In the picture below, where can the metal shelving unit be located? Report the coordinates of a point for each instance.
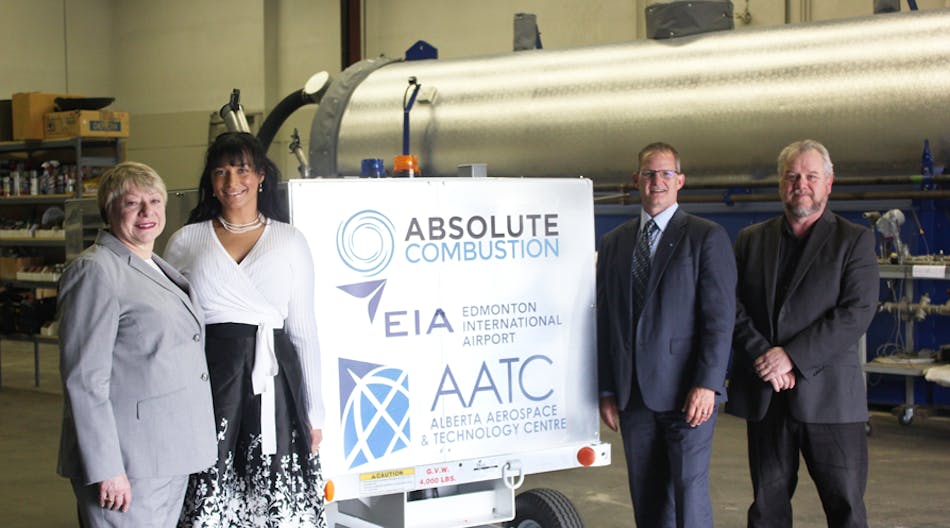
(38, 148)
(909, 368)
(919, 271)
(30, 242)
(31, 284)
(40, 199)
(84, 152)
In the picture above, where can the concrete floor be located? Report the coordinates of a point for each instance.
(909, 483)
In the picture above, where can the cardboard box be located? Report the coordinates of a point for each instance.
(87, 123)
(28, 111)
(9, 266)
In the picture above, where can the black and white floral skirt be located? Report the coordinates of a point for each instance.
(247, 488)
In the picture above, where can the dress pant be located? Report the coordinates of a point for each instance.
(667, 467)
(836, 456)
(156, 503)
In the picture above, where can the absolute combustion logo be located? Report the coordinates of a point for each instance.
(480, 238)
(366, 243)
(374, 406)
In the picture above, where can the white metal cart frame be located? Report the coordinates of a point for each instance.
(456, 323)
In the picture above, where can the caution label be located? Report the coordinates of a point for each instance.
(387, 481)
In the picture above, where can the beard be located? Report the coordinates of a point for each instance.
(804, 210)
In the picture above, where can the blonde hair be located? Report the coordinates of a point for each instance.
(656, 148)
(120, 179)
(792, 151)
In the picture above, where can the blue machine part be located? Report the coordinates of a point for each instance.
(422, 50)
(927, 167)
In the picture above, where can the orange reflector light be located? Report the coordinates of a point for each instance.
(586, 456)
(328, 491)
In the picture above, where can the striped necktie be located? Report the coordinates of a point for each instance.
(640, 267)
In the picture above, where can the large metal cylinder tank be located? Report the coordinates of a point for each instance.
(872, 89)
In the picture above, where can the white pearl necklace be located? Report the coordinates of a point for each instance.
(242, 228)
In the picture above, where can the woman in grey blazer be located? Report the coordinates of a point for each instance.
(137, 416)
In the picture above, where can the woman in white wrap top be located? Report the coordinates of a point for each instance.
(252, 273)
(272, 288)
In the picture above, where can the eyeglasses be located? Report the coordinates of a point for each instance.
(666, 174)
(791, 177)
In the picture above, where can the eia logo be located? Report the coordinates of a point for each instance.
(366, 243)
(374, 406)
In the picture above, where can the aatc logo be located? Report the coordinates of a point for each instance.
(374, 405)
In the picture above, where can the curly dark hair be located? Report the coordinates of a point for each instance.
(234, 148)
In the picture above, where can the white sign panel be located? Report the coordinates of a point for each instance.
(928, 272)
(456, 318)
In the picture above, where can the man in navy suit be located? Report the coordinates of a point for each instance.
(808, 291)
(665, 300)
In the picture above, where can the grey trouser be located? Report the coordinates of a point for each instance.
(156, 502)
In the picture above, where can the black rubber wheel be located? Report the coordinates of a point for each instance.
(544, 508)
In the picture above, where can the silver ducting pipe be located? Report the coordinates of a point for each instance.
(872, 89)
